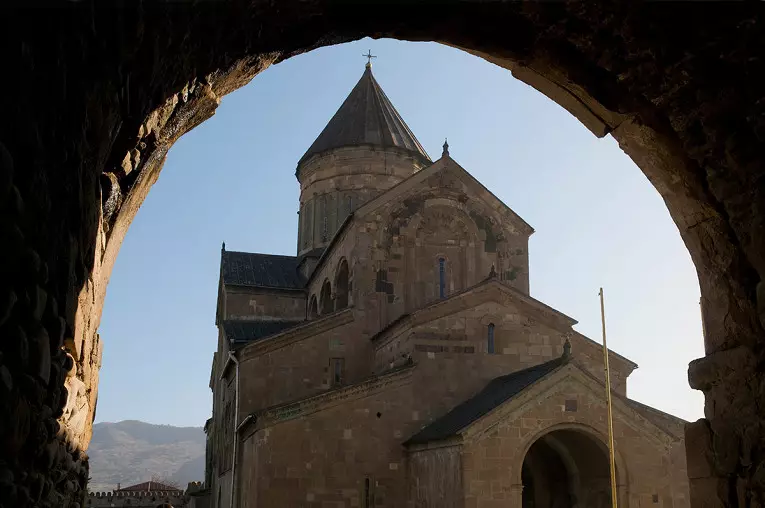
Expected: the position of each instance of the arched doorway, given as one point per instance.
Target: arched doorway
(566, 469)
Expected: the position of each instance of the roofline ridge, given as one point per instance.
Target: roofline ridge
(259, 254)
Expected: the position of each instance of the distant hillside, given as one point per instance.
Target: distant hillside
(132, 452)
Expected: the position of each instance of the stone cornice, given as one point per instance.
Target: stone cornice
(325, 400)
(455, 441)
(244, 289)
(392, 331)
(296, 334)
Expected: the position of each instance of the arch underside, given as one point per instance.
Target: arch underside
(566, 469)
(100, 97)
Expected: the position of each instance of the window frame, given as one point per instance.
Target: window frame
(442, 277)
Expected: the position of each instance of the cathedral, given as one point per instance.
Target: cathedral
(399, 360)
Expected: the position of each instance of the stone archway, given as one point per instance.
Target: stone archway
(566, 468)
(100, 97)
(341, 286)
(326, 305)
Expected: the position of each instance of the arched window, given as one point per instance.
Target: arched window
(490, 339)
(313, 308)
(341, 286)
(326, 298)
(441, 278)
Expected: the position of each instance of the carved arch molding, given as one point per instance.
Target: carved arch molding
(95, 98)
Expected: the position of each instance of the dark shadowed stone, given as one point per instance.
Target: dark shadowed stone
(30, 386)
(12, 241)
(31, 264)
(720, 367)
(698, 440)
(20, 417)
(6, 172)
(39, 346)
(726, 445)
(37, 300)
(8, 299)
(14, 203)
(56, 328)
(6, 380)
(16, 345)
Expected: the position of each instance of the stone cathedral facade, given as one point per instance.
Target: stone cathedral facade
(398, 360)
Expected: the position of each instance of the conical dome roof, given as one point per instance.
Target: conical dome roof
(366, 117)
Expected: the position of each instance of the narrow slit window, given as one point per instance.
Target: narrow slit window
(338, 367)
(367, 501)
(490, 339)
(441, 278)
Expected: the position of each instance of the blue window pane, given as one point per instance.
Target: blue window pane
(491, 339)
(442, 277)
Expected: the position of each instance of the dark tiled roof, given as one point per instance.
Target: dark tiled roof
(149, 486)
(247, 331)
(367, 117)
(498, 391)
(261, 270)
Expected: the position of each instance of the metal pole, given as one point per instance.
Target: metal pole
(608, 399)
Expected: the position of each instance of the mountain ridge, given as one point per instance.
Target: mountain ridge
(132, 451)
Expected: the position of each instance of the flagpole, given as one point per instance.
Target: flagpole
(608, 399)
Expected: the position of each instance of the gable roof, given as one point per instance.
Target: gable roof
(498, 391)
(261, 270)
(149, 486)
(244, 332)
(489, 286)
(445, 162)
(367, 117)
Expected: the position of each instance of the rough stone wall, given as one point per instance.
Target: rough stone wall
(297, 363)
(445, 216)
(262, 304)
(99, 98)
(453, 347)
(335, 183)
(494, 452)
(317, 457)
(435, 478)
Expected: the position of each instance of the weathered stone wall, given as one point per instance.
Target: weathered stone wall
(454, 344)
(320, 449)
(335, 183)
(323, 460)
(262, 304)
(296, 363)
(435, 477)
(439, 214)
(99, 97)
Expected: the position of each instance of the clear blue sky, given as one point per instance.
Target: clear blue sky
(598, 221)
